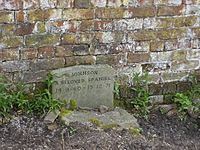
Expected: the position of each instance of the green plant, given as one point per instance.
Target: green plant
(135, 131)
(141, 100)
(109, 126)
(14, 98)
(117, 90)
(72, 130)
(194, 92)
(96, 121)
(183, 102)
(44, 102)
(186, 100)
(73, 104)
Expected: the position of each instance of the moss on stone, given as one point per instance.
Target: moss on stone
(95, 121)
(41, 27)
(11, 41)
(109, 126)
(65, 112)
(135, 131)
(119, 103)
(73, 104)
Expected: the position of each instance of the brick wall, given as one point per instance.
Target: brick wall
(158, 36)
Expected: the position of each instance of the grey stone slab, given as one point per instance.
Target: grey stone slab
(51, 116)
(90, 85)
(118, 116)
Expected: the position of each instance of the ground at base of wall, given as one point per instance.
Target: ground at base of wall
(159, 132)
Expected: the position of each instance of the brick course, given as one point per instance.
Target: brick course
(158, 36)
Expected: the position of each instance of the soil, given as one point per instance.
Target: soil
(159, 132)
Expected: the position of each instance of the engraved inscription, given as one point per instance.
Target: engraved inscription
(91, 86)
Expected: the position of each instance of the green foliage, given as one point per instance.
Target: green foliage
(183, 102)
(186, 101)
(72, 130)
(43, 101)
(194, 92)
(141, 101)
(117, 90)
(135, 131)
(13, 97)
(73, 104)
(109, 126)
(95, 121)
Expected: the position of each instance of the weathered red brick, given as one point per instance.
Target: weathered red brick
(20, 16)
(86, 38)
(156, 67)
(65, 3)
(78, 14)
(45, 14)
(47, 64)
(111, 59)
(14, 66)
(69, 39)
(98, 3)
(73, 26)
(103, 25)
(86, 25)
(24, 29)
(46, 52)
(170, 10)
(11, 41)
(7, 29)
(29, 53)
(63, 51)
(82, 49)
(79, 60)
(48, 4)
(141, 12)
(138, 57)
(42, 39)
(196, 32)
(155, 89)
(146, 2)
(6, 16)
(156, 46)
(11, 4)
(183, 86)
(32, 77)
(10, 54)
(114, 3)
(30, 4)
(109, 37)
(143, 35)
(109, 13)
(170, 33)
(169, 88)
(82, 3)
(38, 15)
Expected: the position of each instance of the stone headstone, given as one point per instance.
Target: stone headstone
(90, 85)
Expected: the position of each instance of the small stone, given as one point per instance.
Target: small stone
(158, 99)
(52, 126)
(171, 113)
(82, 3)
(196, 100)
(103, 109)
(192, 113)
(51, 116)
(167, 108)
